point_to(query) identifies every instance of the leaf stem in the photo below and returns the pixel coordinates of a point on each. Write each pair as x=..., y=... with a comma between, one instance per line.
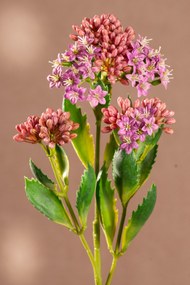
x=88, y=251
x=112, y=270
x=117, y=247
x=73, y=216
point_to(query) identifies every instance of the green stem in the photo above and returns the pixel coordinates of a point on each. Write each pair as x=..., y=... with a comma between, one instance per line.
x=92, y=260
x=112, y=270
x=96, y=223
x=117, y=247
x=73, y=216
x=97, y=156
x=88, y=251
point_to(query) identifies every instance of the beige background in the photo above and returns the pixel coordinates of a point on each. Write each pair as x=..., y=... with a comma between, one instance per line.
x=33, y=250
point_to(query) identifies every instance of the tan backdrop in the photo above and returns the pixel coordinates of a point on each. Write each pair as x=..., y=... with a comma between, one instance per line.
x=33, y=250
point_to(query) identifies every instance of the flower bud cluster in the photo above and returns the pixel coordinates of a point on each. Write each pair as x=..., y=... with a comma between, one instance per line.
x=28, y=131
x=107, y=33
x=136, y=121
x=51, y=128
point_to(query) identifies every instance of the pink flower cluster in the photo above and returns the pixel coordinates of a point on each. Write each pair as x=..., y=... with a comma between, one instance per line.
x=148, y=66
x=106, y=32
x=51, y=128
x=137, y=121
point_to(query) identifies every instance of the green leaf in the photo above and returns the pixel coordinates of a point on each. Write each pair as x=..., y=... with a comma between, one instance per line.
x=110, y=149
x=147, y=145
x=155, y=82
x=62, y=163
x=138, y=219
x=45, y=201
x=107, y=207
x=145, y=166
x=125, y=175
x=83, y=143
x=85, y=193
x=44, y=179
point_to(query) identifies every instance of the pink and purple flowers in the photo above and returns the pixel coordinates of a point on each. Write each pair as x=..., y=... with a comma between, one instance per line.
x=97, y=96
x=137, y=121
x=148, y=67
x=104, y=49
x=79, y=58
x=103, y=53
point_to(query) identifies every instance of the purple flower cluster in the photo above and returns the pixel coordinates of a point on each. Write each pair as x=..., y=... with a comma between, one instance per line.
x=135, y=126
x=148, y=66
x=52, y=127
x=79, y=57
x=137, y=121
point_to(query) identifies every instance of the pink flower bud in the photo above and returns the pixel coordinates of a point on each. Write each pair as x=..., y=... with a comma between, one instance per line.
x=123, y=104
x=165, y=113
x=73, y=37
x=112, y=47
x=124, y=81
x=168, y=131
x=136, y=104
x=171, y=114
x=170, y=121
x=114, y=53
x=112, y=36
x=97, y=21
x=117, y=40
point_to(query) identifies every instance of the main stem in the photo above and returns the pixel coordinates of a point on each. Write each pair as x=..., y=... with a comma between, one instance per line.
x=96, y=223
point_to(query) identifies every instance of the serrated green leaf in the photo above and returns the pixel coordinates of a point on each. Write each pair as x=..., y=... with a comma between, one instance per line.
x=43, y=178
x=85, y=193
x=110, y=149
x=125, y=175
x=83, y=143
x=145, y=166
x=107, y=207
x=45, y=201
x=147, y=145
x=138, y=219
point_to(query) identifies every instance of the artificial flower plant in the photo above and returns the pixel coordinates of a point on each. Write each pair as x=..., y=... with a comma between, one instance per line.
x=102, y=54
